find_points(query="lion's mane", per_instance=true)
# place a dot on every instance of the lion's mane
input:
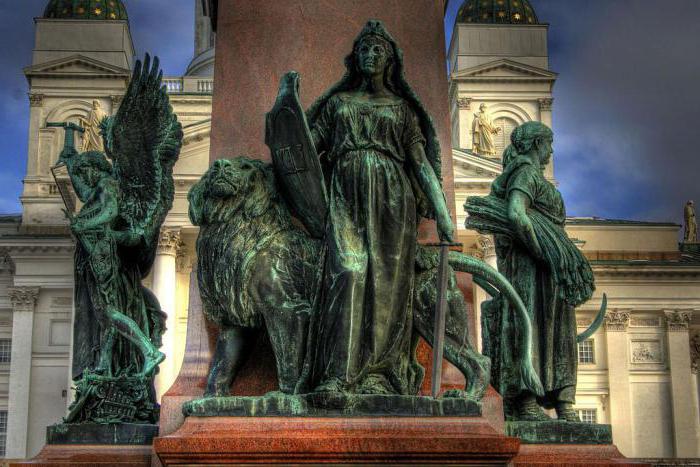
(233, 229)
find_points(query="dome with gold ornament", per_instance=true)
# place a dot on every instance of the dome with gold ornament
(497, 12)
(86, 9)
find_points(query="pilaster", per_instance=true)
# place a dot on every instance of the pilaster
(36, 116)
(685, 404)
(616, 322)
(486, 250)
(164, 284)
(23, 304)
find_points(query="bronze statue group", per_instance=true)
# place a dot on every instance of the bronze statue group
(345, 300)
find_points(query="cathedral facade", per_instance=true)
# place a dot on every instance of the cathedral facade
(639, 372)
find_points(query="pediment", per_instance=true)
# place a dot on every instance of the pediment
(76, 65)
(468, 165)
(504, 69)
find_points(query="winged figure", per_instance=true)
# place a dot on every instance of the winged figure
(126, 193)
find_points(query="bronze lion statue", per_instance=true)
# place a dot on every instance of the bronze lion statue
(257, 269)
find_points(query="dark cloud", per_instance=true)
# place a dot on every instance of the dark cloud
(626, 110)
(626, 105)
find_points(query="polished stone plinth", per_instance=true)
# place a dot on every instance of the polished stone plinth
(583, 455)
(557, 432)
(62, 455)
(327, 404)
(94, 433)
(122, 444)
(295, 440)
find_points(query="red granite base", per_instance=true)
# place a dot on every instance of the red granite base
(70, 454)
(572, 454)
(271, 440)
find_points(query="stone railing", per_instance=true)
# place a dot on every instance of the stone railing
(189, 84)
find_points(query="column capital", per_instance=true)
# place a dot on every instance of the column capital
(116, 101)
(23, 298)
(36, 100)
(617, 320)
(486, 245)
(678, 320)
(183, 262)
(464, 103)
(168, 242)
(695, 353)
(545, 103)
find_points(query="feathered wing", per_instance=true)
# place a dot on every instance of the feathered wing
(143, 140)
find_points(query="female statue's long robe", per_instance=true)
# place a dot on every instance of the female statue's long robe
(365, 321)
(551, 287)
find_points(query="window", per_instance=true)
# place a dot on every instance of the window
(3, 432)
(5, 350)
(586, 352)
(588, 416)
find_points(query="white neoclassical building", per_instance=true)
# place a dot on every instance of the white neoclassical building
(639, 372)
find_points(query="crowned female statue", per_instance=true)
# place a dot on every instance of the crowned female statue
(382, 157)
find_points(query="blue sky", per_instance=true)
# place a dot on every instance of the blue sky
(626, 107)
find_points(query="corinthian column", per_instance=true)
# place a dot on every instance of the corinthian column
(486, 250)
(164, 280)
(616, 322)
(685, 404)
(23, 303)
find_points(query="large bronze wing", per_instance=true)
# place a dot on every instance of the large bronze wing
(143, 140)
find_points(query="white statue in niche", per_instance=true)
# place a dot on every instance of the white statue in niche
(483, 132)
(690, 235)
(92, 140)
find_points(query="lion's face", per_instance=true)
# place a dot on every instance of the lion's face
(231, 186)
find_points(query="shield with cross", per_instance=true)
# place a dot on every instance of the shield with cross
(297, 167)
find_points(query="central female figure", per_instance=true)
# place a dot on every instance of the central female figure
(382, 157)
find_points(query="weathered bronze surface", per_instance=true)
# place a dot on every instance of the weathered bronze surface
(526, 214)
(344, 312)
(118, 322)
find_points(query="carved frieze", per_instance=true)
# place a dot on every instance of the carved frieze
(617, 320)
(647, 352)
(645, 322)
(678, 320)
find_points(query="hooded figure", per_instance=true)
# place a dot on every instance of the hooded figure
(382, 161)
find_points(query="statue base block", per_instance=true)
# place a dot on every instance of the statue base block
(556, 432)
(327, 404)
(94, 433)
(122, 444)
(62, 455)
(572, 455)
(307, 440)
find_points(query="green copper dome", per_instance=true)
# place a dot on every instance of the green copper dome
(86, 9)
(497, 12)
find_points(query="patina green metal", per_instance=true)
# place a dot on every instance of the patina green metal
(526, 214)
(258, 270)
(344, 301)
(118, 322)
